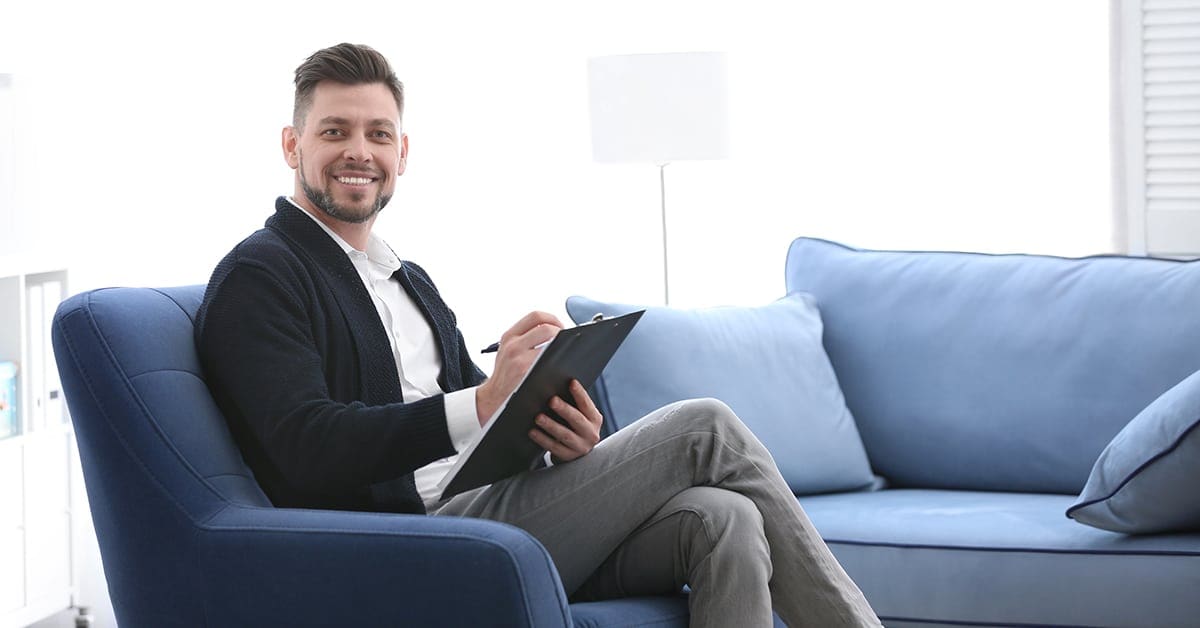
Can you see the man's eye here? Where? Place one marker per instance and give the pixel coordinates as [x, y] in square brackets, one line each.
[331, 132]
[383, 135]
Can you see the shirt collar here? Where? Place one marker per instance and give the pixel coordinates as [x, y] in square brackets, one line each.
[378, 252]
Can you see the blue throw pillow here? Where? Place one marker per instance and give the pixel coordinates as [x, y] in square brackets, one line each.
[1148, 478]
[766, 362]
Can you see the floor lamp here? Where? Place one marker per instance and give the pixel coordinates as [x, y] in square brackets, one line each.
[659, 108]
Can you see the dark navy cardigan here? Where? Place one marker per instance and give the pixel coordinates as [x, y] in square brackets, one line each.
[296, 357]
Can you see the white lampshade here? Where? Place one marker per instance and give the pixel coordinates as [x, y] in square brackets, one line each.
[658, 108]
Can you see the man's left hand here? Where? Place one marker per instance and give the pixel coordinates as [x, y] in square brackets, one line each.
[582, 429]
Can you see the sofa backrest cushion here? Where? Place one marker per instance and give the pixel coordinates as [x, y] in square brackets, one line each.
[997, 372]
[766, 363]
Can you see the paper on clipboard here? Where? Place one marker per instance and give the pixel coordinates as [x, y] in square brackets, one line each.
[503, 448]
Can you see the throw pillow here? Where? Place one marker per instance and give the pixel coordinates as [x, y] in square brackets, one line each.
[767, 363]
[1147, 479]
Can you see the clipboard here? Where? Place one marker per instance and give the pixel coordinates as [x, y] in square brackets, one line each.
[504, 448]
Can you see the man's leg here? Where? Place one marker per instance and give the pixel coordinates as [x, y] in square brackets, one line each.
[708, 538]
[582, 511]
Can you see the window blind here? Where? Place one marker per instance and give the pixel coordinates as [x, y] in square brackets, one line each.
[1169, 52]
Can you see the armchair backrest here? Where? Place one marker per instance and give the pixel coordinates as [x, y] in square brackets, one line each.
[157, 457]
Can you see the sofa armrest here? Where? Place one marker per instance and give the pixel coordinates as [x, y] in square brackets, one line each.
[290, 567]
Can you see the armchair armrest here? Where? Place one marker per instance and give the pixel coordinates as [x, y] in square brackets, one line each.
[289, 567]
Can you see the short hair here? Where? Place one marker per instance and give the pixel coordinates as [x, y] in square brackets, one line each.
[349, 64]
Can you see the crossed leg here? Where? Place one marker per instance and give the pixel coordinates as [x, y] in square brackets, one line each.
[596, 514]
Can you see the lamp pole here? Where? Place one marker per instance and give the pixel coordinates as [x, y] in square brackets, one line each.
[658, 109]
[662, 194]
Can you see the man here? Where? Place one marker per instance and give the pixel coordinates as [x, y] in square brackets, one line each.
[347, 385]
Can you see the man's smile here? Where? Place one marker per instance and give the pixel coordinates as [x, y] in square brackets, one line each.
[355, 180]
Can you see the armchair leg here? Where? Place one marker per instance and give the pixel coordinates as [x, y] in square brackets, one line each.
[84, 617]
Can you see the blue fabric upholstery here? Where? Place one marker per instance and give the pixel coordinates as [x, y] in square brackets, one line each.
[188, 538]
[938, 557]
[1148, 478]
[766, 362]
[648, 612]
[1006, 375]
[997, 372]
[664, 612]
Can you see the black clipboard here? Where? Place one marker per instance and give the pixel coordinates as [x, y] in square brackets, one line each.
[504, 447]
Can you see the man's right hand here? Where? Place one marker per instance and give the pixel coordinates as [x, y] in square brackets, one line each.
[517, 353]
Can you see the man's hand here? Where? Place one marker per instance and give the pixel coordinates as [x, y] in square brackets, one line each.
[516, 355]
[578, 436]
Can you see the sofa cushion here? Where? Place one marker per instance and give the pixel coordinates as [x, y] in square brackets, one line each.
[657, 612]
[1148, 478]
[936, 557]
[997, 372]
[636, 612]
[766, 362]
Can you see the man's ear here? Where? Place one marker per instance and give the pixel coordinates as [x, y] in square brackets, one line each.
[291, 146]
[403, 163]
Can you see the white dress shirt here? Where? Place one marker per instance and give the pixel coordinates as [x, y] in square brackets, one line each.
[414, 349]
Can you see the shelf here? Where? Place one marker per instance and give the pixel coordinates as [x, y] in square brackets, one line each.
[36, 539]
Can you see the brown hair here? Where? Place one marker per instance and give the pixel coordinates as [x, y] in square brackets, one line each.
[349, 64]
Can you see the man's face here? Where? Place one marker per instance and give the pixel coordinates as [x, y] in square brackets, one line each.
[349, 152]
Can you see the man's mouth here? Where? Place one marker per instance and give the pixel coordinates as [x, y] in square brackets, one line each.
[355, 180]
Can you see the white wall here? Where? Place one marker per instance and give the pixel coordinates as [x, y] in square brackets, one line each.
[146, 152]
[148, 138]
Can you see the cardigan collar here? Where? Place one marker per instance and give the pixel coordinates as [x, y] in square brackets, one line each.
[307, 237]
[378, 252]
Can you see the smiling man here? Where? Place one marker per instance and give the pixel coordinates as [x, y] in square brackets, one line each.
[347, 385]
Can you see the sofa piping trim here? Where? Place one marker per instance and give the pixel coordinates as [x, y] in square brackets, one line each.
[1020, 550]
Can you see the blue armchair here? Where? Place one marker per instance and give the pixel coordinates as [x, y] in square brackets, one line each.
[189, 539]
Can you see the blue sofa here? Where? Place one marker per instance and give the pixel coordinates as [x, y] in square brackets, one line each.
[984, 388]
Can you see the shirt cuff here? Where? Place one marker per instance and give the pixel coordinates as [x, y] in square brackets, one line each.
[462, 421]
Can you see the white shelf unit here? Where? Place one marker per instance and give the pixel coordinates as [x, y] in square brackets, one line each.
[38, 464]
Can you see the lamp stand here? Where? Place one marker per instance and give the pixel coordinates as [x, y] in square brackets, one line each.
[662, 193]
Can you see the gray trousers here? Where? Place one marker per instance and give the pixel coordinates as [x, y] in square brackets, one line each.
[686, 495]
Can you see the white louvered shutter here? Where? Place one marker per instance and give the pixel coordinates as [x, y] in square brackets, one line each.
[1159, 80]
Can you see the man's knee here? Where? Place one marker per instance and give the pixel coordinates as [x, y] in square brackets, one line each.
[708, 411]
[709, 419]
[717, 514]
[716, 417]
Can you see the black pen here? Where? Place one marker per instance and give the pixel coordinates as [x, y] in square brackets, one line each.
[495, 346]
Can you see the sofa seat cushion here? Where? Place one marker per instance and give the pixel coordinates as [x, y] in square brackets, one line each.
[659, 612]
[637, 612]
[938, 556]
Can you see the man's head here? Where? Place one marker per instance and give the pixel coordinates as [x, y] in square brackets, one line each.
[345, 142]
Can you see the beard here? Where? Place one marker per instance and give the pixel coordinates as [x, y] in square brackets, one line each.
[324, 201]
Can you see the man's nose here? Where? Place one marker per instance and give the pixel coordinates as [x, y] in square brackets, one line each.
[358, 149]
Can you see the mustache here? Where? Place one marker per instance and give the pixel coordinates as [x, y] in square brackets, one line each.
[358, 168]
